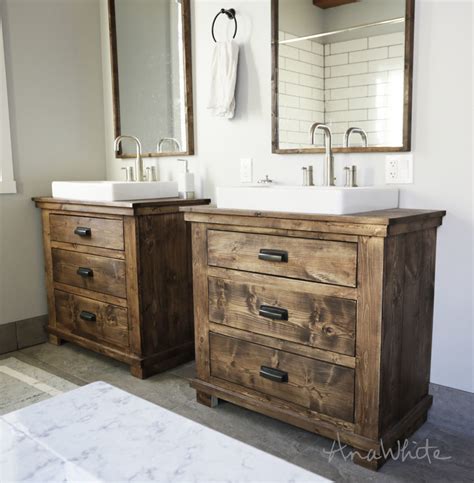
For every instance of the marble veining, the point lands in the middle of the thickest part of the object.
(110, 435)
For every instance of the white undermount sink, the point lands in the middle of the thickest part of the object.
(333, 200)
(114, 190)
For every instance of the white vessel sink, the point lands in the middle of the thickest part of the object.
(332, 200)
(114, 190)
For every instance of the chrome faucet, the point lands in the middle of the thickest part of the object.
(159, 146)
(356, 130)
(139, 173)
(329, 160)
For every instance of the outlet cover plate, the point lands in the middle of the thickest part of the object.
(246, 170)
(399, 168)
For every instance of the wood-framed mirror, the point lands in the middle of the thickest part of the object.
(150, 45)
(344, 63)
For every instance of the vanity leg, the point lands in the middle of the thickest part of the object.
(206, 399)
(55, 340)
(362, 458)
(137, 370)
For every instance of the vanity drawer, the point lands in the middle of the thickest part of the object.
(315, 385)
(322, 261)
(83, 230)
(317, 321)
(92, 319)
(100, 274)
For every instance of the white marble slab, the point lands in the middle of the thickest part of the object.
(101, 433)
(23, 459)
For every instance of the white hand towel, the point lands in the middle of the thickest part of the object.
(223, 79)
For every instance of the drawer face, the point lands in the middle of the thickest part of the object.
(110, 324)
(101, 274)
(315, 385)
(101, 232)
(316, 321)
(321, 261)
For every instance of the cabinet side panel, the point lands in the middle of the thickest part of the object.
(417, 317)
(201, 297)
(48, 267)
(165, 282)
(368, 336)
(392, 330)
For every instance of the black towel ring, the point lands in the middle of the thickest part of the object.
(230, 15)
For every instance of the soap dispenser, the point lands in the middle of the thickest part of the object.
(185, 181)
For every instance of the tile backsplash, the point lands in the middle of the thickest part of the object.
(350, 83)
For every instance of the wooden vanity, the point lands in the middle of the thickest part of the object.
(324, 322)
(118, 279)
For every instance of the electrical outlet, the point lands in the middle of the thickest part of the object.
(246, 170)
(399, 169)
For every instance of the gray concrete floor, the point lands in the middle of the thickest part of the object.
(450, 425)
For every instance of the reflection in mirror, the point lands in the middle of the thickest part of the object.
(342, 63)
(150, 43)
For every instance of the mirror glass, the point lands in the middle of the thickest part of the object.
(150, 48)
(342, 63)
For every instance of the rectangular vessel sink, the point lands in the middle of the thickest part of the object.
(331, 200)
(114, 190)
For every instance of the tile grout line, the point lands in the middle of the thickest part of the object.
(43, 387)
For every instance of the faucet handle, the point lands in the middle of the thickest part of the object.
(128, 173)
(150, 173)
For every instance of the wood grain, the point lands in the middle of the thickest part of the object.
(105, 233)
(366, 219)
(313, 384)
(324, 322)
(285, 345)
(148, 279)
(315, 260)
(164, 248)
(393, 300)
(279, 221)
(110, 326)
(294, 285)
(108, 273)
(368, 340)
(132, 268)
(201, 300)
(275, 408)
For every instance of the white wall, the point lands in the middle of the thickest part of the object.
(54, 81)
(7, 180)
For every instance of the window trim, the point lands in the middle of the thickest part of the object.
(7, 180)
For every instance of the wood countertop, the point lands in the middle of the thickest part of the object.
(376, 223)
(129, 207)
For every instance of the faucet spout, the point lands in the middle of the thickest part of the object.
(139, 171)
(162, 141)
(356, 130)
(329, 179)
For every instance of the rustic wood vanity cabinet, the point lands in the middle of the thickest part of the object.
(119, 279)
(324, 322)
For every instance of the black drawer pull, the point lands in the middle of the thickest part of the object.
(85, 272)
(83, 231)
(273, 374)
(274, 313)
(270, 255)
(88, 316)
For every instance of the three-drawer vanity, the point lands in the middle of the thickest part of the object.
(321, 321)
(118, 278)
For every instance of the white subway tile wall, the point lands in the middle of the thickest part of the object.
(356, 82)
(301, 91)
